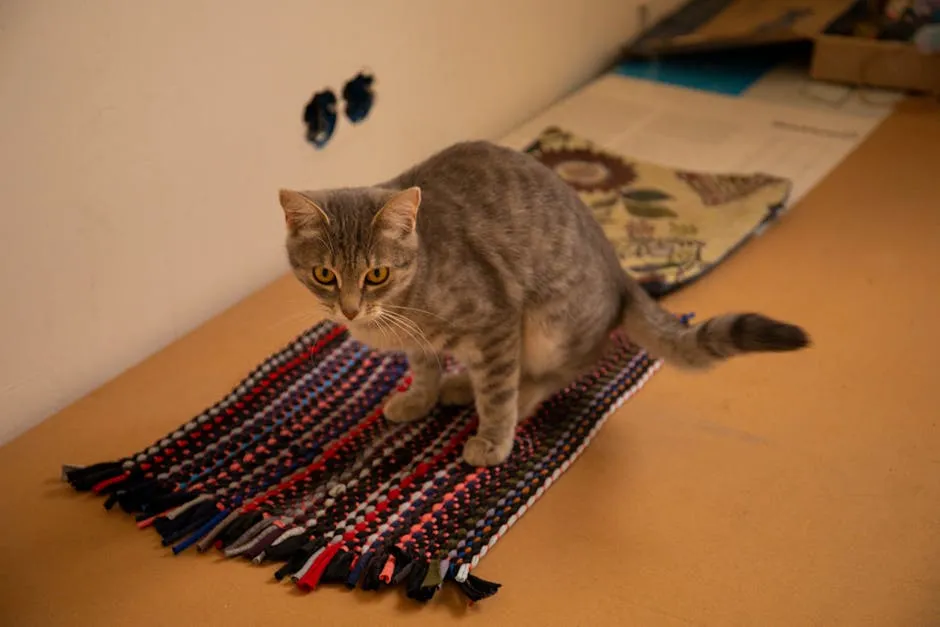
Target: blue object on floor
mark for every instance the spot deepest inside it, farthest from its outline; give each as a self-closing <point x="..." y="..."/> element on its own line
<point x="729" y="74"/>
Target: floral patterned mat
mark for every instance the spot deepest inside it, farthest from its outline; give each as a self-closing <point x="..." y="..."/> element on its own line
<point x="669" y="226"/>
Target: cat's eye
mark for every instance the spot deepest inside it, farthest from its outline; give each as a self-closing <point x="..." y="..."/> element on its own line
<point x="324" y="276"/>
<point x="377" y="276"/>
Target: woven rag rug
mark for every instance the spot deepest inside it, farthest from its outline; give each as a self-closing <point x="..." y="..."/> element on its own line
<point x="669" y="226"/>
<point x="297" y="465"/>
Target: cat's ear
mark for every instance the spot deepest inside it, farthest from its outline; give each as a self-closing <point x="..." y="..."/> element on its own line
<point x="401" y="212"/>
<point x="301" y="211"/>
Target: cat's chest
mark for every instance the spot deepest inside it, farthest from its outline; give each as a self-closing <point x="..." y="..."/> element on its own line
<point x="389" y="337"/>
<point x="386" y="336"/>
<point x="376" y="337"/>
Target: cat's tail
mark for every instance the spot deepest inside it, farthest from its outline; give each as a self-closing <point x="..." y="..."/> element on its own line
<point x="664" y="336"/>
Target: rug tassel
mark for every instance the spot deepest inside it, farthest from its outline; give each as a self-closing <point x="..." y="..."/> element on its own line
<point x="312" y="577"/>
<point x="433" y="578"/>
<point x="163" y="502"/>
<point x="420" y="570"/>
<point x="250" y="532"/>
<point x="403" y="565"/>
<point x="237" y="528"/>
<point x="423" y="589"/>
<point x="200" y="533"/>
<point x="283" y="550"/>
<point x="67" y="469"/>
<point x="337" y="571"/>
<point x="388" y="570"/>
<point x="303" y="570"/>
<point x="85" y="478"/>
<point x="144" y="495"/>
<point x="476" y="589"/>
<point x="185" y="507"/>
<point x="247" y="539"/>
<point x="255" y="551"/>
<point x="402" y="572"/>
<point x="167" y="526"/>
<point x="83" y="474"/>
<point x="194" y="521"/>
<point x="170" y="524"/>
<point x="108" y="486"/>
<point x="118" y="491"/>
<point x="356" y="574"/>
<point x="296" y="561"/>
<point x="370" y="577"/>
<point x="112" y="500"/>
<point x="135" y="493"/>
<point x="203" y="545"/>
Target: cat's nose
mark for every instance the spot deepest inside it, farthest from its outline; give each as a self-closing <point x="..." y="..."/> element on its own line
<point x="349" y="312"/>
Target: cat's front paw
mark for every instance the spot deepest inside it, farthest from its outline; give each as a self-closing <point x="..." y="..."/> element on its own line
<point x="481" y="452"/>
<point x="456" y="389"/>
<point x="409" y="405"/>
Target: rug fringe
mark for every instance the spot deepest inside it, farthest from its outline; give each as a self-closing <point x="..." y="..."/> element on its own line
<point x="172" y="530"/>
<point x="337" y="571"/>
<point x="155" y="502"/>
<point x="474" y="588"/>
<point x="235" y="530"/>
<point x="256" y="548"/>
<point x="297" y="560"/>
<point x="404" y="564"/>
<point x="134" y="492"/>
<point x="248" y="538"/>
<point x="84" y="478"/>
<point x="420" y="585"/>
<point x="370" y="577"/>
<point x="356" y="573"/>
<point x="282" y="551"/>
<point x="311" y="578"/>
<point x="206" y="542"/>
<point x="322" y="536"/>
<point x="201" y="532"/>
<point x="185" y="519"/>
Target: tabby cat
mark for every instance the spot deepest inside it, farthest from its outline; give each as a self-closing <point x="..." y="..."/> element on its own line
<point x="485" y="254"/>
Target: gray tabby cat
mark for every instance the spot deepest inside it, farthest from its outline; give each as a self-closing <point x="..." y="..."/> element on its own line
<point x="484" y="253"/>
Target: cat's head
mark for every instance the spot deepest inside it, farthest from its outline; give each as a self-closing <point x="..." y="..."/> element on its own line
<point x="355" y="249"/>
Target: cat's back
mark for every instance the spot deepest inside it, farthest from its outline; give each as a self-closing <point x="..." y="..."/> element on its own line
<point x="484" y="172"/>
<point x="484" y="192"/>
<point x="471" y="156"/>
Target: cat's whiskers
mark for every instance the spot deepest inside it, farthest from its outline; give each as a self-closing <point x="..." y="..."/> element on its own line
<point x="413" y="331"/>
<point x="418" y="334"/>
<point x="410" y="324"/>
<point x="415" y="309"/>
<point x="393" y="323"/>
<point x="396" y="337"/>
<point x="377" y="325"/>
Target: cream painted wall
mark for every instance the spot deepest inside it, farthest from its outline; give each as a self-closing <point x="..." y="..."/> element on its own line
<point x="143" y="144"/>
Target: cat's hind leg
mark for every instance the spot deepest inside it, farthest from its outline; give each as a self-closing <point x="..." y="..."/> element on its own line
<point x="457" y="389"/>
<point x="532" y="393"/>
<point x="419" y="399"/>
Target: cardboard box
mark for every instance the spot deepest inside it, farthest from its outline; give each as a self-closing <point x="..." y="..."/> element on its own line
<point x="707" y="25"/>
<point x="711" y="25"/>
<point x="874" y="63"/>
